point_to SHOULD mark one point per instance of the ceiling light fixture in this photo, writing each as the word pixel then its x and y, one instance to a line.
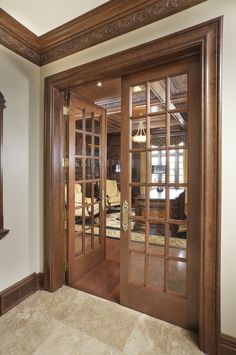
pixel 137 88
pixel 99 84
pixel 140 136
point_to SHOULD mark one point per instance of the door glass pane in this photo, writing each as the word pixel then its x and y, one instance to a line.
pixel 139 100
pixel 178 240
pixel 139 133
pixel 179 129
pixel 157 96
pixel 97 126
pixel 89 124
pixel 178 167
pixel 139 163
pixel 177 277
pixel 137 235
pixel 157 202
pixel 178 203
pixel 156 272
pixel 157 167
pixel 89 169
pixel 136 267
pixel 79 119
pixel 78 143
pixel 88 145
pixel 157 238
pixel 97 169
pixel 178 91
pixel 78 169
pixel 158 131
pixel 138 198
pixel 97 146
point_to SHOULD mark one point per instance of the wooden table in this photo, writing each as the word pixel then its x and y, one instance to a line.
pixel 157 208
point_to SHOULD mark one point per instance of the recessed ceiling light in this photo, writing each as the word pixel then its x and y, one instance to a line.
pixel 99 84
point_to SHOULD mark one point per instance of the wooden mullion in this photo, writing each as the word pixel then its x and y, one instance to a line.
pixel 148 140
pixel 166 264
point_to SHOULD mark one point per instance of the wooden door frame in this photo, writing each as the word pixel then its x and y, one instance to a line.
pixel 205 39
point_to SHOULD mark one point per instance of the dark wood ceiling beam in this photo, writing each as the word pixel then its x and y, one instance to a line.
pixel 105 22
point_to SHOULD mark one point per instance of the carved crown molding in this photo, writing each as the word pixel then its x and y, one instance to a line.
pixel 105 22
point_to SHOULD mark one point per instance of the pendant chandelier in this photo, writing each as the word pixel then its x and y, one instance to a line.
pixel 140 136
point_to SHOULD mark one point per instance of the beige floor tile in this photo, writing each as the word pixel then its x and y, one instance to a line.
pixel 69 341
pixel 73 322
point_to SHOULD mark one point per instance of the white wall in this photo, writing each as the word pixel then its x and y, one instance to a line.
pixel 19 250
pixel 188 18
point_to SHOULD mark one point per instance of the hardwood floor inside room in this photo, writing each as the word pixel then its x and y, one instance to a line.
pixel 104 279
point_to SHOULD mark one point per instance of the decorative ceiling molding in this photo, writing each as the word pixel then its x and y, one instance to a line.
pixel 18 38
pixel 112 19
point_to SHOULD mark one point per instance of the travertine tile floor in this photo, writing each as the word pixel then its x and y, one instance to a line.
pixel 73 322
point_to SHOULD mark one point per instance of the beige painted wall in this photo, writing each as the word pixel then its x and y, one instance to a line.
pixel 19 251
pixel 188 18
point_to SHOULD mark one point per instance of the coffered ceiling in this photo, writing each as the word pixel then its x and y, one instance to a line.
pixel 43 16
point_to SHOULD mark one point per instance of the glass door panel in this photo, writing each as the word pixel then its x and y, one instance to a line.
pixel 157 154
pixel 86 209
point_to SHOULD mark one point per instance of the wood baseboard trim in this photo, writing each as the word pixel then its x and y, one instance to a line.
pixel 107 21
pixel 16 293
pixel 227 345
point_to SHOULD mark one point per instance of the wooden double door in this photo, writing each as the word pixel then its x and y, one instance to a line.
pixel 160 154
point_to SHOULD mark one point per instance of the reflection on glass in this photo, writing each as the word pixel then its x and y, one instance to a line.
pixel 157 131
pixel 178 240
pixel 139 161
pixel 157 96
pixel 137 235
pixel 156 272
pixel 139 133
pixel 157 238
pixel 97 192
pixel 78 169
pixel 136 268
pixel 78 143
pixel 139 100
pixel 178 166
pixel 178 91
pixel 138 198
pixel 157 166
pixel 177 277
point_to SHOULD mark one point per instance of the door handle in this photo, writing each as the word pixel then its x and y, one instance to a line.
pixel 125 216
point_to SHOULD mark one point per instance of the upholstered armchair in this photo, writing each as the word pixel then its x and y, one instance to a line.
pixel 78 203
pixel 113 194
